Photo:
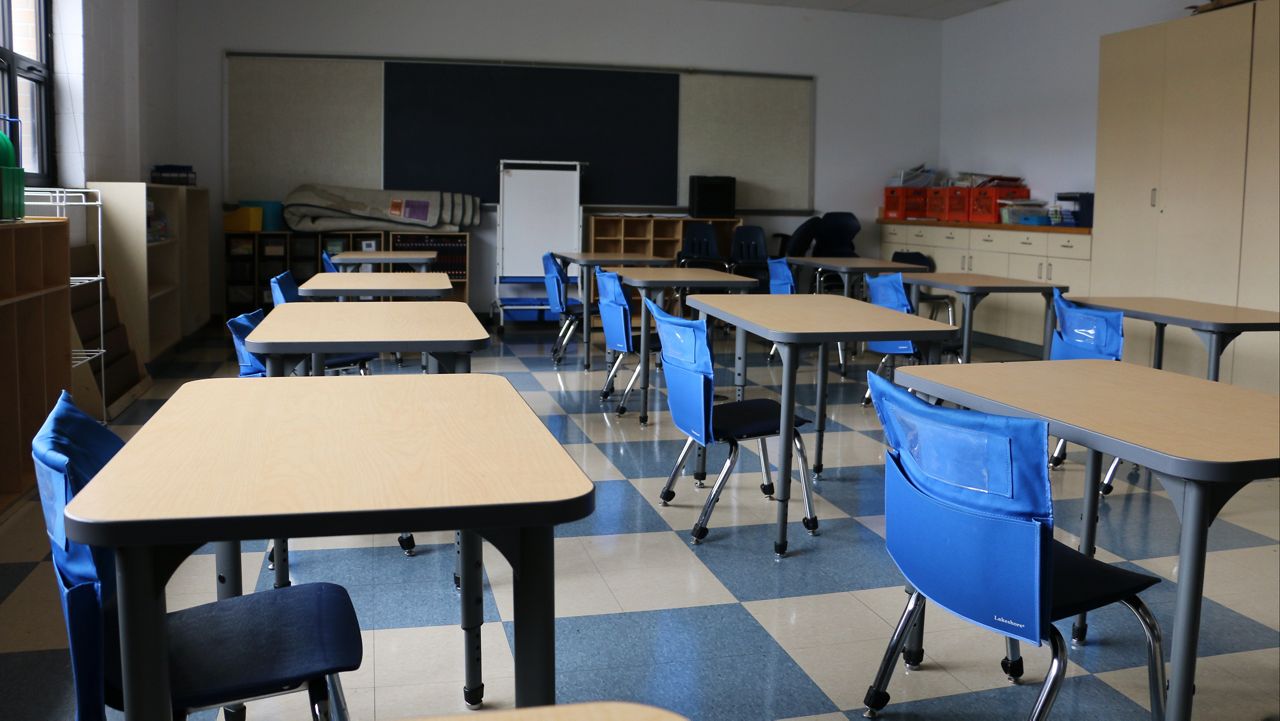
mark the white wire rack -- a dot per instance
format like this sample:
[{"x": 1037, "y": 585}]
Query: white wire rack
[{"x": 60, "y": 201}]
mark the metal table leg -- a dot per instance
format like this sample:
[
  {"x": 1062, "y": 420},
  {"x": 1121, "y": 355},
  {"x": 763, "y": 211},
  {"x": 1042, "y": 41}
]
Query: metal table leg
[
  {"x": 1216, "y": 347},
  {"x": 644, "y": 357},
  {"x": 229, "y": 585},
  {"x": 966, "y": 333},
  {"x": 739, "y": 363},
  {"x": 144, "y": 643},
  {"x": 786, "y": 436},
  {"x": 275, "y": 366},
  {"x": 821, "y": 422},
  {"x": 535, "y": 622},
  {"x": 1157, "y": 351},
  {"x": 280, "y": 556},
  {"x": 317, "y": 364},
  {"x": 1088, "y": 529},
  {"x": 1049, "y": 323},
  {"x": 471, "y": 568},
  {"x": 584, "y": 296}
]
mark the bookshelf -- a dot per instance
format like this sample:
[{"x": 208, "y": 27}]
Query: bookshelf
[
  {"x": 650, "y": 234},
  {"x": 35, "y": 339}
]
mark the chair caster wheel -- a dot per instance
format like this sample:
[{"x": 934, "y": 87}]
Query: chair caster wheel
[
  {"x": 698, "y": 533},
  {"x": 666, "y": 496},
  {"x": 1106, "y": 490},
  {"x": 780, "y": 549},
  {"x": 810, "y": 525},
  {"x": 473, "y": 697},
  {"x": 604, "y": 396},
  {"x": 457, "y": 583},
  {"x": 407, "y": 544},
  {"x": 874, "y": 701},
  {"x": 1078, "y": 634},
  {"x": 1056, "y": 462},
  {"x": 767, "y": 490},
  {"x": 621, "y": 410},
  {"x": 913, "y": 658},
  {"x": 1012, "y": 669},
  {"x": 271, "y": 559}
]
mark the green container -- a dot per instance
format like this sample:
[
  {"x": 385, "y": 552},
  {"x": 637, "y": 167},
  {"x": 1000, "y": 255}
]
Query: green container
[{"x": 13, "y": 183}]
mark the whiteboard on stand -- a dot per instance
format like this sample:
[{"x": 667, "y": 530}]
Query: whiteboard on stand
[{"x": 539, "y": 211}]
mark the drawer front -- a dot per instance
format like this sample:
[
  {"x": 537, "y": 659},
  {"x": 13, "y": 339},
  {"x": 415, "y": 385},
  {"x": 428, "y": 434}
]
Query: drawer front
[
  {"x": 894, "y": 233},
  {"x": 993, "y": 240},
  {"x": 1077, "y": 247},
  {"x": 939, "y": 237},
  {"x": 1028, "y": 243}
]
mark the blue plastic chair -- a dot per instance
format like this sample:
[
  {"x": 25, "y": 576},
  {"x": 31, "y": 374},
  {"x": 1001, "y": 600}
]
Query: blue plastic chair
[
  {"x": 615, "y": 317},
  {"x": 749, "y": 253},
  {"x": 690, "y": 378},
  {"x": 886, "y": 291},
  {"x": 251, "y": 364},
  {"x": 327, "y": 263},
  {"x": 569, "y": 310},
  {"x": 699, "y": 247},
  {"x": 1085, "y": 334},
  {"x": 284, "y": 289},
  {"x": 969, "y": 522},
  {"x": 781, "y": 281},
  {"x": 220, "y": 653}
]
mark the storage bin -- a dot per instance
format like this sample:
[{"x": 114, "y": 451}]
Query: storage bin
[
  {"x": 242, "y": 220},
  {"x": 958, "y": 204},
  {"x": 272, "y": 214},
  {"x": 936, "y": 203},
  {"x": 901, "y": 202},
  {"x": 984, "y": 202}
]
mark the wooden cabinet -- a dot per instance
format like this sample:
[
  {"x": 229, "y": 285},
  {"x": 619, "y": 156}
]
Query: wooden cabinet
[
  {"x": 35, "y": 339},
  {"x": 993, "y": 316},
  {"x": 1186, "y": 168},
  {"x": 650, "y": 234}
]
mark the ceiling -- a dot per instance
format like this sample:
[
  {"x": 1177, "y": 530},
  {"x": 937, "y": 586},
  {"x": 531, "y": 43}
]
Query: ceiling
[{"x": 930, "y": 9}]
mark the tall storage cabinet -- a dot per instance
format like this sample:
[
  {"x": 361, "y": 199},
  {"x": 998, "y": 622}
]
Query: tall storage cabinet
[{"x": 1182, "y": 162}]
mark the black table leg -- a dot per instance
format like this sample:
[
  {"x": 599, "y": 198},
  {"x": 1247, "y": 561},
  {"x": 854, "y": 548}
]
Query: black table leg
[
  {"x": 535, "y": 629},
  {"x": 144, "y": 643}
]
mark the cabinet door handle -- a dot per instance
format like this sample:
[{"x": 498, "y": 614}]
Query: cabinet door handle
[
  {"x": 1039, "y": 271},
  {"x": 1050, "y": 271},
  {"x": 1153, "y": 197},
  {"x": 962, "y": 262}
]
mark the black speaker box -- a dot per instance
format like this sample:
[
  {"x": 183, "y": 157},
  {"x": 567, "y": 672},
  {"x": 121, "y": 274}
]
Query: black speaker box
[{"x": 712, "y": 196}]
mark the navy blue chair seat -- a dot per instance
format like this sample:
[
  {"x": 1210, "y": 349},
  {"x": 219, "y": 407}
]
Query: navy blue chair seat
[
  {"x": 745, "y": 420},
  {"x": 1081, "y": 584}
]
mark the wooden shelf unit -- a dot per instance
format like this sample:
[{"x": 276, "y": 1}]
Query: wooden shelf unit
[
  {"x": 156, "y": 252},
  {"x": 650, "y": 234},
  {"x": 254, "y": 258},
  {"x": 35, "y": 339}
]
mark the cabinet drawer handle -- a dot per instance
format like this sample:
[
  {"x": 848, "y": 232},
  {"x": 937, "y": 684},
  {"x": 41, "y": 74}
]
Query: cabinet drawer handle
[
  {"x": 1068, "y": 246},
  {"x": 1050, "y": 274},
  {"x": 1153, "y": 197},
  {"x": 1025, "y": 242},
  {"x": 1039, "y": 271}
]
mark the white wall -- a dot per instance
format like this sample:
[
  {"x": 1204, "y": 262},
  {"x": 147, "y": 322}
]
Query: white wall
[
  {"x": 111, "y": 122},
  {"x": 1019, "y": 90},
  {"x": 877, "y": 77}
]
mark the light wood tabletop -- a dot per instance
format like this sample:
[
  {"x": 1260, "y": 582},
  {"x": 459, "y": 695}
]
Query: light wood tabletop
[
  {"x": 979, "y": 283},
  {"x": 296, "y": 457},
  {"x": 332, "y": 327},
  {"x": 1187, "y": 427},
  {"x": 1189, "y": 313},
  {"x": 396, "y": 285},
  {"x": 604, "y": 711},
  {"x": 857, "y": 265},
  {"x": 383, "y": 256},
  {"x": 677, "y": 277},
  {"x": 594, "y": 259},
  {"x": 809, "y": 318}
]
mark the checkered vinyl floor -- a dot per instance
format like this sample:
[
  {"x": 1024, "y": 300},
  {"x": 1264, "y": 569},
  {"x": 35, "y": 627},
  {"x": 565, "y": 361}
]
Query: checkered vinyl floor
[{"x": 718, "y": 631}]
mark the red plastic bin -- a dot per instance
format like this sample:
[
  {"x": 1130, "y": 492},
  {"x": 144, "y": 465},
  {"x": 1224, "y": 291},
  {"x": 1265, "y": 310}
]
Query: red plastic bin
[
  {"x": 901, "y": 202},
  {"x": 957, "y": 204},
  {"x": 936, "y": 203}
]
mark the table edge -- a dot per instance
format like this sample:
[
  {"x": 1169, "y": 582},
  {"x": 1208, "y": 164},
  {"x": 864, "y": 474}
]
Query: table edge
[{"x": 815, "y": 338}]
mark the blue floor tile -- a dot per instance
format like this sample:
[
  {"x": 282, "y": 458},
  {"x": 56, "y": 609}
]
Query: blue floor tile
[
  {"x": 12, "y": 574},
  {"x": 837, "y": 393},
  {"x": 1082, "y": 697},
  {"x": 564, "y": 429},
  {"x": 245, "y": 547},
  {"x": 1141, "y": 525},
  {"x": 648, "y": 459},
  {"x": 711, "y": 662},
  {"x": 387, "y": 588},
  {"x": 521, "y": 380},
  {"x": 845, "y": 557},
  {"x": 856, "y": 490},
  {"x": 619, "y": 509}
]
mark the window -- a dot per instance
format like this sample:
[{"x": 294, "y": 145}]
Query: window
[{"x": 26, "y": 84}]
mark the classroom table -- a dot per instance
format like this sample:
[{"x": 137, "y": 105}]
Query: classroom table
[
  {"x": 1203, "y": 440},
  {"x": 1215, "y": 325},
  {"x": 351, "y": 259},
  {"x": 850, "y": 268},
  {"x": 598, "y": 711},
  {"x": 384, "y": 285},
  {"x": 447, "y": 331},
  {"x": 652, "y": 283},
  {"x": 793, "y": 321},
  {"x": 228, "y": 460},
  {"x": 973, "y": 287},
  {"x": 587, "y": 261}
]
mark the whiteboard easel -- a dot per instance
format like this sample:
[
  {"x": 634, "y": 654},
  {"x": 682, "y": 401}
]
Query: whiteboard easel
[{"x": 539, "y": 210}]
